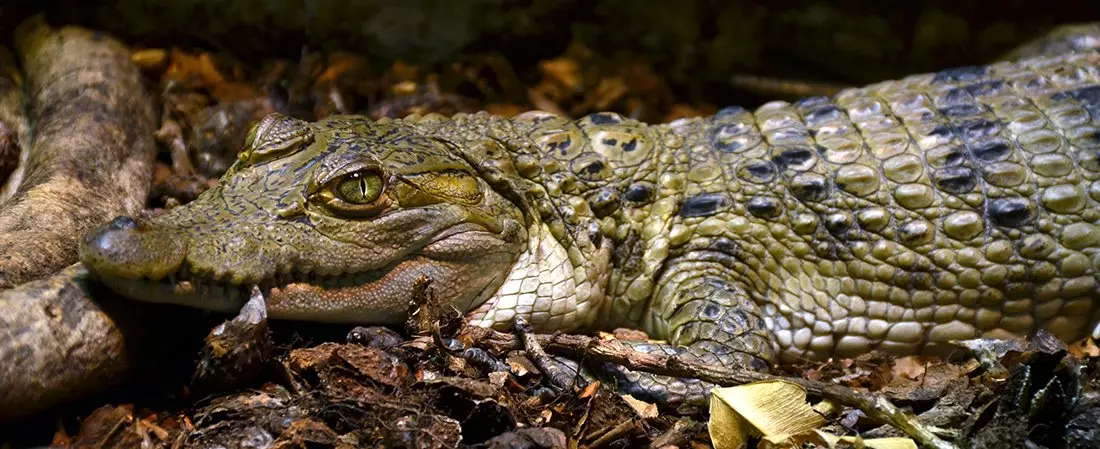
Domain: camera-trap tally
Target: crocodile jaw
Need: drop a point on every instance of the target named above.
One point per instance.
(366, 297)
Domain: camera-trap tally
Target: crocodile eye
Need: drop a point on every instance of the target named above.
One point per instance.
(357, 194)
(360, 188)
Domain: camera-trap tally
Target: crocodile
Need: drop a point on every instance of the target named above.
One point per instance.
(901, 216)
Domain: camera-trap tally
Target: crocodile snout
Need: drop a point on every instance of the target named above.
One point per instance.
(125, 248)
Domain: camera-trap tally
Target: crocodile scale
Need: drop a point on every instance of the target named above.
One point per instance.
(899, 216)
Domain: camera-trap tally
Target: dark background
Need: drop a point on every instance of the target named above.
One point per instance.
(696, 44)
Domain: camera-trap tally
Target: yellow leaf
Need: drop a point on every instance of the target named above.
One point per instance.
(774, 409)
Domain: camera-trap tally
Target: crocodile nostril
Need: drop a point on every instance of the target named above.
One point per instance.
(121, 223)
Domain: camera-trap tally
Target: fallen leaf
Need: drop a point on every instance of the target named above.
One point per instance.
(150, 59)
(590, 390)
(643, 408)
(1084, 348)
(910, 367)
(498, 378)
(630, 334)
(774, 409)
(563, 71)
(820, 437)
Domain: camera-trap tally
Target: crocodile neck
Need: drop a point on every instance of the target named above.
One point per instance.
(603, 191)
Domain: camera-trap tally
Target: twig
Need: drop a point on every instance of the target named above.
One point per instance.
(553, 372)
(681, 433)
(623, 430)
(874, 405)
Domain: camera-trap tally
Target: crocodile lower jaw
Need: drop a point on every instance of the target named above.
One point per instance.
(283, 294)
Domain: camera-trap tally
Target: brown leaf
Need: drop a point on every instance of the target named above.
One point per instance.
(562, 72)
(200, 72)
(630, 334)
(311, 358)
(375, 364)
(402, 71)
(607, 92)
(1084, 348)
(107, 426)
(590, 390)
(910, 367)
(643, 408)
(150, 59)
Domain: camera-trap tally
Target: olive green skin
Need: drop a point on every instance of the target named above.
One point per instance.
(901, 216)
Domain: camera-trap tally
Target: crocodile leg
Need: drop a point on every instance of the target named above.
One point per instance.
(704, 316)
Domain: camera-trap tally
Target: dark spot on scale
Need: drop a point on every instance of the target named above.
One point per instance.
(1094, 136)
(611, 142)
(1089, 97)
(543, 118)
(985, 87)
(639, 192)
(604, 202)
(727, 246)
(792, 157)
(593, 168)
(838, 223)
(956, 156)
(959, 74)
(956, 96)
(990, 150)
(962, 110)
(562, 145)
(922, 281)
(762, 206)
(762, 171)
(955, 179)
(603, 118)
(940, 131)
(811, 189)
(729, 146)
(977, 128)
(912, 232)
(1011, 212)
(822, 114)
(946, 156)
(630, 146)
(711, 310)
(703, 204)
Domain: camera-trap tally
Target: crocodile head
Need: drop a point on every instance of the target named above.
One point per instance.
(333, 220)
